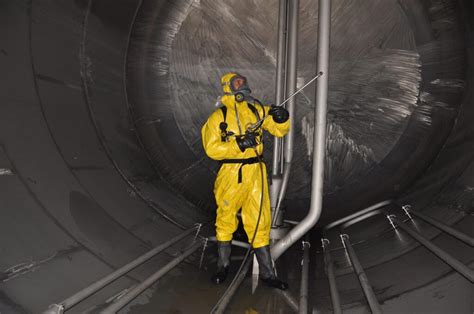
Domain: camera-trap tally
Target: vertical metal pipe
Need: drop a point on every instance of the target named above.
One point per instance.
(137, 290)
(280, 75)
(335, 299)
(303, 306)
(455, 233)
(280, 96)
(445, 257)
(290, 88)
(282, 160)
(361, 275)
(319, 138)
(292, 63)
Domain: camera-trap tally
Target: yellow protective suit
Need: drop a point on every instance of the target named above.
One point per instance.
(231, 196)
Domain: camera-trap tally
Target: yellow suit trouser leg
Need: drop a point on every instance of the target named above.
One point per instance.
(252, 178)
(229, 196)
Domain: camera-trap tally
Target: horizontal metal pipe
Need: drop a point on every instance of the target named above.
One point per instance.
(289, 299)
(449, 230)
(362, 276)
(303, 304)
(361, 218)
(234, 242)
(357, 214)
(291, 222)
(137, 290)
(335, 299)
(99, 284)
(441, 254)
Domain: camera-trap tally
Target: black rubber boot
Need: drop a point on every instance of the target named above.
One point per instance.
(267, 273)
(223, 261)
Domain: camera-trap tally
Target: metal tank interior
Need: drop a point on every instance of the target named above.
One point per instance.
(101, 157)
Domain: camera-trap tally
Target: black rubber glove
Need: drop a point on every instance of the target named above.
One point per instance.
(247, 141)
(279, 114)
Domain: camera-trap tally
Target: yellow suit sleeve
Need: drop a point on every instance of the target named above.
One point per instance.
(275, 129)
(211, 140)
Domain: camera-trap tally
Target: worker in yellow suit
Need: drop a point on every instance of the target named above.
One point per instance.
(242, 174)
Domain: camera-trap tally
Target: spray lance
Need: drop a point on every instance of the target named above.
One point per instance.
(255, 126)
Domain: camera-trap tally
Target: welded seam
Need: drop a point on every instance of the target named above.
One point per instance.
(32, 265)
(100, 136)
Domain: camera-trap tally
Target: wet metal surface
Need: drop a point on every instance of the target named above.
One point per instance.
(393, 94)
(100, 155)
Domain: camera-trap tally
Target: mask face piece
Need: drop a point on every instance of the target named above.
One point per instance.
(239, 84)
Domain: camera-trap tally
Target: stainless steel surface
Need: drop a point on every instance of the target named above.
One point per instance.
(277, 217)
(294, 12)
(357, 214)
(455, 233)
(286, 166)
(361, 276)
(376, 117)
(139, 288)
(329, 267)
(361, 218)
(319, 139)
(241, 244)
(299, 90)
(253, 127)
(303, 304)
(231, 289)
(280, 76)
(101, 283)
(94, 182)
(289, 300)
(441, 254)
(290, 88)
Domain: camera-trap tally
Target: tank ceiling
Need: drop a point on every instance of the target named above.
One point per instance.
(101, 157)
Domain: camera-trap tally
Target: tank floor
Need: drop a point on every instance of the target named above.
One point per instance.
(189, 290)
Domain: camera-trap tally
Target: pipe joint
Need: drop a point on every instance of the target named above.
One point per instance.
(198, 226)
(325, 243)
(344, 237)
(407, 209)
(55, 309)
(391, 219)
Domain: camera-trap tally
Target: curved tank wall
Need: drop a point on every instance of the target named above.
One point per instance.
(102, 103)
